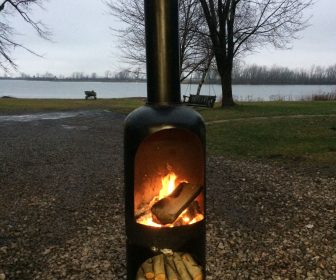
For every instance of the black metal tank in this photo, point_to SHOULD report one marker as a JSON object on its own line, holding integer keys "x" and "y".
{"x": 162, "y": 136}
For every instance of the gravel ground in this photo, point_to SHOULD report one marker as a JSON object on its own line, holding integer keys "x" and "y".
{"x": 61, "y": 207}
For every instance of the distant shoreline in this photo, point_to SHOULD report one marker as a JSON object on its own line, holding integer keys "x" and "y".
{"x": 105, "y": 80}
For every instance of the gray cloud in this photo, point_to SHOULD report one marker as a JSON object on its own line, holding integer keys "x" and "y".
{"x": 83, "y": 42}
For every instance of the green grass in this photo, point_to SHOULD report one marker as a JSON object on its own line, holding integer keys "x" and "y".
{"x": 304, "y": 139}
{"x": 267, "y": 109}
{"x": 309, "y": 139}
{"x": 123, "y": 105}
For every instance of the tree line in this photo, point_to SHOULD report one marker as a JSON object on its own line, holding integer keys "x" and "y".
{"x": 254, "y": 74}
{"x": 274, "y": 75}
{"x": 124, "y": 75}
{"x": 241, "y": 74}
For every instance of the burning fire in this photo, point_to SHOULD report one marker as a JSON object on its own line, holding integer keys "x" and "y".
{"x": 187, "y": 217}
{"x": 168, "y": 185}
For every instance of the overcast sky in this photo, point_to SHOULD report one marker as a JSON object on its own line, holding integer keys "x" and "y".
{"x": 83, "y": 42}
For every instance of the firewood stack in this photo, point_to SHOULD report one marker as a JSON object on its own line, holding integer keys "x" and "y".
{"x": 172, "y": 266}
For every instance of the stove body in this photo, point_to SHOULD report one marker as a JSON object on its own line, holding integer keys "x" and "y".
{"x": 163, "y": 141}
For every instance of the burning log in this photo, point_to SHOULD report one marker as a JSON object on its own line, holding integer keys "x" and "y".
{"x": 167, "y": 210}
{"x": 175, "y": 266}
{"x": 189, "y": 214}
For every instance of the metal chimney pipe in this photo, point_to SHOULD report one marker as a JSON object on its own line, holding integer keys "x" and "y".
{"x": 162, "y": 50}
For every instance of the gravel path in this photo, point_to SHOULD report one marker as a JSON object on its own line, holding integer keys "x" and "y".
{"x": 61, "y": 207}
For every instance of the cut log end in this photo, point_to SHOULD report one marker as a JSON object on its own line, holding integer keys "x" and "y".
{"x": 148, "y": 269}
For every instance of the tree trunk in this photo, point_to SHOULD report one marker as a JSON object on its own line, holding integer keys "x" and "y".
{"x": 201, "y": 82}
{"x": 204, "y": 74}
{"x": 226, "y": 81}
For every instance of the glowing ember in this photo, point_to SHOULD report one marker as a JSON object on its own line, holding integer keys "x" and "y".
{"x": 189, "y": 216}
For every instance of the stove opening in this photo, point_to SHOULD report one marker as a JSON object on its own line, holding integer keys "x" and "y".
{"x": 169, "y": 179}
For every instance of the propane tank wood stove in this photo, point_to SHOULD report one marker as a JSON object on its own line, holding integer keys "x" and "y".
{"x": 164, "y": 153}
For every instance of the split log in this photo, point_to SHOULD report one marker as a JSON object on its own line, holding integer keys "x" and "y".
{"x": 171, "y": 269}
{"x": 192, "y": 211}
{"x": 148, "y": 269}
{"x": 193, "y": 268}
{"x": 181, "y": 269}
{"x": 167, "y": 210}
{"x": 175, "y": 266}
{"x": 140, "y": 275}
{"x": 171, "y": 274}
{"x": 159, "y": 267}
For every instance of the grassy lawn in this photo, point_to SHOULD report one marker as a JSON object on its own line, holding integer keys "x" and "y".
{"x": 267, "y": 109}
{"x": 123, "y": 105}
{"x": 306, "y": 139}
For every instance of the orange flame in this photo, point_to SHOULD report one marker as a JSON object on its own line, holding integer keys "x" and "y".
{"x": 168, "y": 186}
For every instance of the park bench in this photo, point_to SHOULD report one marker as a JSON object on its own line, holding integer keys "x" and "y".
{"x": 199, "y": 100}
{"x": 90, "y": 93}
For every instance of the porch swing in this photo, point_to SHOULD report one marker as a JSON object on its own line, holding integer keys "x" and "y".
{"x": 197, "y": 99}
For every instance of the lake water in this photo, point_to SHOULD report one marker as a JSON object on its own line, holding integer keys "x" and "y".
{"x": 75, "y": 90}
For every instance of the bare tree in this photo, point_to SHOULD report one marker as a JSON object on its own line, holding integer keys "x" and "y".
{"x": 204, "y": 70}
{"x": 225, "y": 30}
{"x": 21, "y": 8}
{"x": 123, "y": 75}
{"x": 240, "y": 26}
{"x": 108, "y": 74}
{"x": 194, "y": 46}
